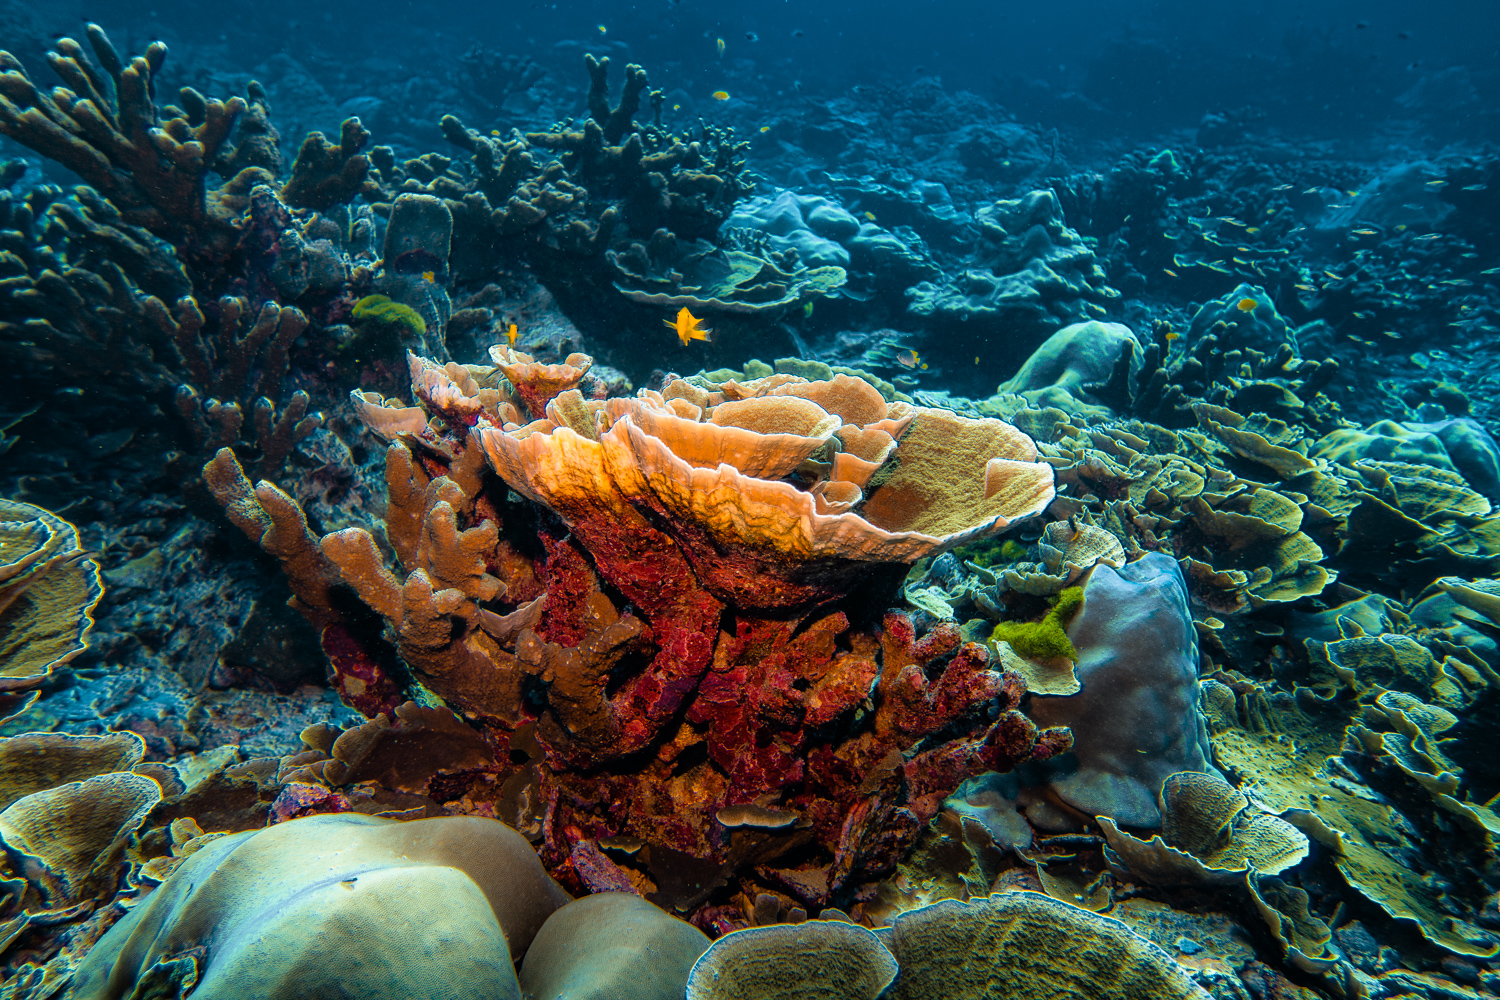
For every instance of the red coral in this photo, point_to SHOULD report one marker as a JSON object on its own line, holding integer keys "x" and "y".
{"x": 356, "y": 674}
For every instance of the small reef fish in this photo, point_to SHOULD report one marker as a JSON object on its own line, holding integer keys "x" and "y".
{"x": 751, "y": 36}
{"x": 870, "y": 216}
{"x": 807, "y": 309}
{"x": 1283, "y": 187}
{"x": 602, "y": 29}
{"x": 429, "y": 276}
{"x": 1474, "y": 187}
{"x": 511, "y": 335}
{"x": 494, "y": 131}
{"x": 1252, "y": 230}
{"x": 1246, "y": 305}
{"x": 765, "y": 128}
{"x": 1436, "y": 185}
{"x": 1366, "y": 232}
{"x": 910, "y": 359}
{"x": 1429, "y": 236}
{"x": 1169, "y": 272}
{"x": 1491, "y": 270}
{"x": 687, "y": 327}
{"x": 721, "y": 95}
{"x": 719, "y": 44}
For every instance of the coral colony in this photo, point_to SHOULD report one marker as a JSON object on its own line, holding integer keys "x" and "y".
{"x": 391, "y": 607}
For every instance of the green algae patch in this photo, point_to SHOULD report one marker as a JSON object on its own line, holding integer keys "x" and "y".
{"x": 989, "y": 553}
{"x": 379, "y": 309}
{"x": 1044, "y": 640}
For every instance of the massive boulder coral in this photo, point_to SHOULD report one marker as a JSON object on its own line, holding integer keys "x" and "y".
{"x": 334, "y": 905}
{"x": 1135, "y": 720}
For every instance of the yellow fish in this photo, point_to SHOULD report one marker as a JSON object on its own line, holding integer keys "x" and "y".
{"x": 1252, "y": 230}
{"x": 1169, "y": 272}
{"x": 807, "y": 309}
{"x": 511, "y": 334}
{"x": 429, "y": 276}
{"x": 765, "y": 128}
{"x": 870, "y": 216}
{"x": 909, "y": 359}
{"x": 719, "y": 44}
{"x": 1246, "y": 305}
{"x": 687, "y": 327}
{"x": 602, "y": 29}
{"x": 494, "y": 131}
{"x": 721, "y": 95}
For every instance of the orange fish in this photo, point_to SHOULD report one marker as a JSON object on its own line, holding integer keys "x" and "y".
{"x": 1246, "y": 305}
{"x": 511, "y": 334}
{"x": 687, "y": 327}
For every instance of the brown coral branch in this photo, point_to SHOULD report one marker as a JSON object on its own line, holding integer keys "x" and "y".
{"x": 155, "y": 171}
{"x": 325, "y": 175}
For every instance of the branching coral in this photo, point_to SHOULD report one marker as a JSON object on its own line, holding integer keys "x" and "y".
{"x": 105, "y": 127}
{"x": 728, "y": 648}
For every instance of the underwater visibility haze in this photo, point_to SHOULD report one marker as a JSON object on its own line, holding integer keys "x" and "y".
{"x": 775, "y": 501}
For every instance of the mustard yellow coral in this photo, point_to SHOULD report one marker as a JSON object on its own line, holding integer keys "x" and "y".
{"x": 380, "y": 310}
{"x": 1044, "y": 640}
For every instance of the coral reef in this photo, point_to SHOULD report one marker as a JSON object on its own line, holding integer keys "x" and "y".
{"x": 1165, "y": 668}
{"x": 734, "y": 580}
